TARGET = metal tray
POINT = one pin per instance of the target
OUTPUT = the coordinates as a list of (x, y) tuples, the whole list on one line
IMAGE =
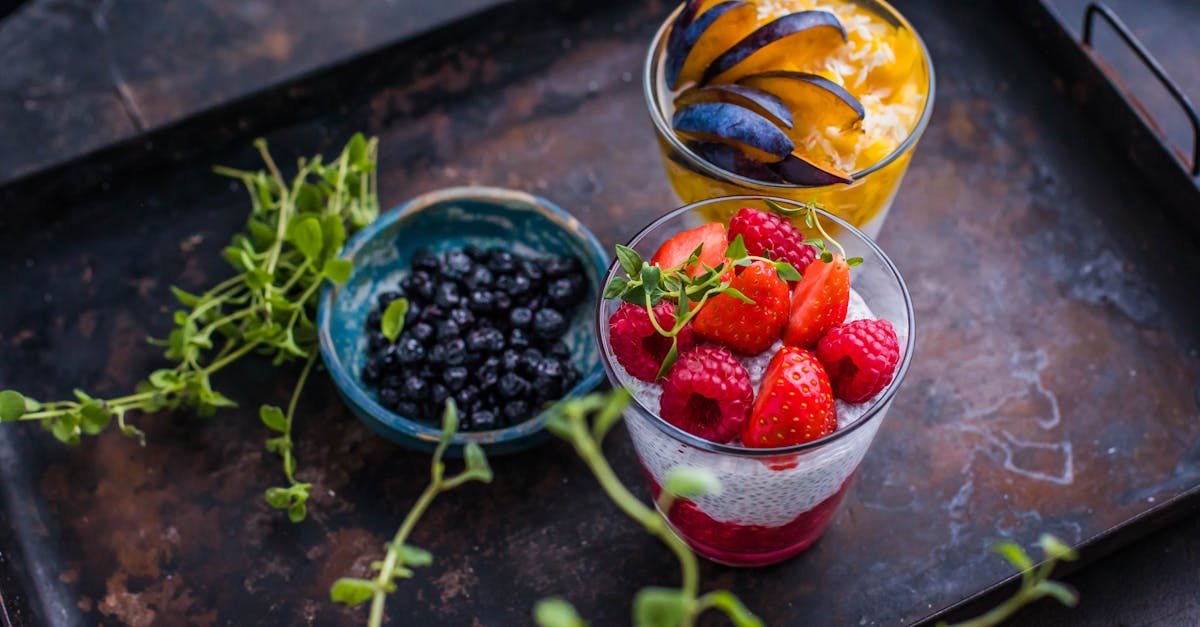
[(1054, 387)]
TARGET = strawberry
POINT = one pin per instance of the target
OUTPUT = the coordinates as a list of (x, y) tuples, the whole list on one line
[(795, 403), (744, 327), (768, 235), (860, 357), (676, 250), (819, 301)]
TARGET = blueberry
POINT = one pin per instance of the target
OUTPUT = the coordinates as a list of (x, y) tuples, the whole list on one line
[(520, 317), (501, 261), (457, 265), (485, 340), (388, 397), (489, 372), (465, 397), (419, 285), (548, 324), (559, 350), (483, 420), (390, 358), (412, 315), (518, 339), (455, 378), (436, 355), (386, 298), (370, 373), (510, 360), (374, 319), (448, 330), (479, 278), (477, 254), (533, 270), (424, 259), (512, 386), (414, 388), (530, 358), (432, 314), (456, 352), (422, 331), (563, 266), (516, 411), (410, 351), (463, 317), (548, 377), (438, 394), (408, 409), (481, 301), (376, 341), (501, 302), (565, 292), (391, 382), (446, 295), (514, 284)]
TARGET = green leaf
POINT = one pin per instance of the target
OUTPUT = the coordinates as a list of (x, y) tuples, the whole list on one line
[(690, 482), (297, 511), (335, 234), (261, 234), (273, 417), (555, 612), (631, 262), (787, 271), (338, 270), (854, 261), (737, 249), (351, 591), (1014, 554), (308, 199), (279, 498), (669, 359), (1063, 593), (356, 151), (164, 379), (414, 556), (305, 235), (1057, 549), (449, 420), (186, 299), (728, 603), (694, 257), (736, 293), (827, 256), (659, 607), (477, 463), (257, 278), (651, 276), (12, 405), (393, 319), (94, 417), (615, 287)]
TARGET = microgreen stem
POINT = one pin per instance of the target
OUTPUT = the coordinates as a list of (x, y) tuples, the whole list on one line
[(391, 561), (289, 469), (231, 357)]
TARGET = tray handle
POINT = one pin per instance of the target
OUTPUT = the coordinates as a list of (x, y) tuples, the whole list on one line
[(1147, 59)]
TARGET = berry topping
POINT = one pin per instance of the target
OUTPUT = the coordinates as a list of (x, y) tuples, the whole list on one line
[(707, 393), (860, 357), (819, 301), (768, 235), (742, 326), (795, 403), (675, 251), (637, 345)]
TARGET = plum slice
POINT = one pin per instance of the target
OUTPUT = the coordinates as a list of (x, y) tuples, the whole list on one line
[(717, 28), (758, 101), (728, 123), (733, 160), (801, 35), (675, 47), (815, 101), (800, 171)]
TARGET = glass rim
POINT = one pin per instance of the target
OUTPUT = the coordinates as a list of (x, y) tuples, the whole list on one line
[(650, 88), (880, 402)]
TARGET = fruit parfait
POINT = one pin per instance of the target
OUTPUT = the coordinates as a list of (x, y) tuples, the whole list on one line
[(804, 99), (764, 351)]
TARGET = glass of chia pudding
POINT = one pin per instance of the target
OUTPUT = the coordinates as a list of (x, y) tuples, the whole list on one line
[(775, 375)]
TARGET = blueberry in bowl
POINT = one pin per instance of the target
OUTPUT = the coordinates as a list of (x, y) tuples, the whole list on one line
[(475, 294)]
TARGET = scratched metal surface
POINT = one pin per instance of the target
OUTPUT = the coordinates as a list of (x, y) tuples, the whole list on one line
[(1054, 387)]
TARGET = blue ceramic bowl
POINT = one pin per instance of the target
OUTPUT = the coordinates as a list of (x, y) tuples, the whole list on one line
[(452, 218)]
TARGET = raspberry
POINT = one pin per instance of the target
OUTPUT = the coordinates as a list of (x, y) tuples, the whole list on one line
[(860, 357), (708, 394), (635, 342), (768, 235)]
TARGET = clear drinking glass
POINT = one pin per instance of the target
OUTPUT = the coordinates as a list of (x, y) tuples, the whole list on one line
[(864, 202), (775, 502)]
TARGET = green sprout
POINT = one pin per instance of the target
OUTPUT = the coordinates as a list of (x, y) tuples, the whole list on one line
[(1035, 581)]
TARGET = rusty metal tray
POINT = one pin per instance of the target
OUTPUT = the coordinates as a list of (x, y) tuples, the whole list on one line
[(1053, 390)]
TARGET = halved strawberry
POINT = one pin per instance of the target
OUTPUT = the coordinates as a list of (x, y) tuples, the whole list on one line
[(744, 327), (794, 405), (676, 250), (819, 301)]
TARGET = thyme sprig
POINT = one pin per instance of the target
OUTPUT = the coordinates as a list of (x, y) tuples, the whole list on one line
[(400, 557), (583, 423), (289, 248)]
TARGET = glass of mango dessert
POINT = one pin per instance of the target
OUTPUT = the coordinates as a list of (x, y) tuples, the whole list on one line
[(814, 100)]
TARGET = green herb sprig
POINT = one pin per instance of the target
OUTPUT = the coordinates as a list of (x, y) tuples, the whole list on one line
[(401, 557), (808, 210), (583, 423), (1035, 581), (289, 248)]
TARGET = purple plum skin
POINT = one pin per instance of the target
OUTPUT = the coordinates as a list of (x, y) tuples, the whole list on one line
[(816, 79), (678, 48), (675, 47), (767, 102), (732, 122), (733, 160), (797, 171), (769, 33)]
